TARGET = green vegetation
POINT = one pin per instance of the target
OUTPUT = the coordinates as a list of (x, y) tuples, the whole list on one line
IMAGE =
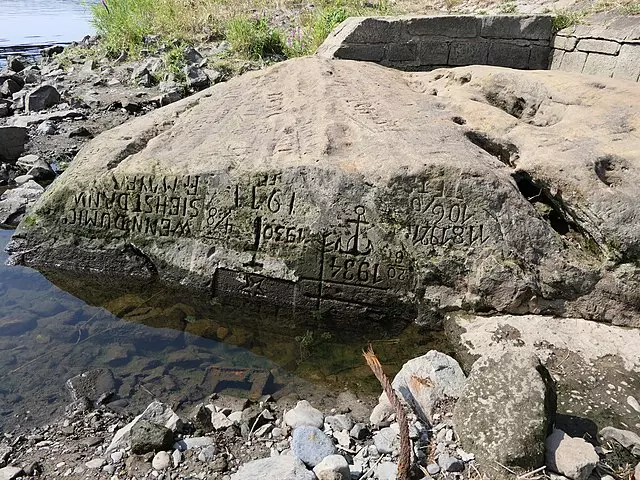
[(134, 26), (567, 18), (254, 39)]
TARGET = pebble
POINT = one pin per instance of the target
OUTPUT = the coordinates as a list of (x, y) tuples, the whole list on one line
[(95, 463), (387, 440), (176, 457), (633, 403), (161, 461), (433, 468), (116, 457)]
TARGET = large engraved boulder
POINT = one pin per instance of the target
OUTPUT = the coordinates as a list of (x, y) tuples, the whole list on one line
[(353, 189)]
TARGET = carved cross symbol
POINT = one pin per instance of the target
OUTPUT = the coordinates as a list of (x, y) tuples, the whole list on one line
[(253, 286)]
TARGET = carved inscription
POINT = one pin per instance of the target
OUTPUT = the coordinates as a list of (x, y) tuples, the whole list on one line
[(443, 218)]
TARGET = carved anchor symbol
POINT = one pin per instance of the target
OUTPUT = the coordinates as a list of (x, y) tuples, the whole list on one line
[(353, 244)]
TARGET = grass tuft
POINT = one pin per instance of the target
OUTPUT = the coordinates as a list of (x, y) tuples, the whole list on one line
[(254, 39)]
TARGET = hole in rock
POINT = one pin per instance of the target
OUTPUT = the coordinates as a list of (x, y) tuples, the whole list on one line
[(506, 152), (546, 206), (459, 120), (608, 169)]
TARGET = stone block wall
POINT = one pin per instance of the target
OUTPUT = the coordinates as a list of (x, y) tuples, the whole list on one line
[(428, 42), (609, 49)]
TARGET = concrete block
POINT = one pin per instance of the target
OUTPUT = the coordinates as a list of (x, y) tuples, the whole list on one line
[(556, 59), (535, 27), (362, 52), (564, 43), (459, 26), (598, 46), (628, 64), (433, 53), (402, 52), (573, 61), (375, 30), (472, 52), (600, 64), (504, 54), (539, 57)]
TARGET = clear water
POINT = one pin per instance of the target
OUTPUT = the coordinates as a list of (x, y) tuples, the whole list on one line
[(163, 346), (25, 25)]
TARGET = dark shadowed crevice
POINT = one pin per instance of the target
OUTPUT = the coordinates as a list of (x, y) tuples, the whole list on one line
[(506, 152), (610, 169), (552, 209)]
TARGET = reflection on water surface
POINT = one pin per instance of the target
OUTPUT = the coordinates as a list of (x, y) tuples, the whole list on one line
[(163, 344)]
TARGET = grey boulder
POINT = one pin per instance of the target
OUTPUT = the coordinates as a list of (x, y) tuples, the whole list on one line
[(283, 467), (424, 381), (15, 203), (506, 411), (572, 457), (12, 142), (311, 445), (332, 467), (150, 437), (41, 98)]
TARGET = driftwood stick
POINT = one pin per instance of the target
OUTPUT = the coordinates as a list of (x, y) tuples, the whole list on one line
[(404, 462)]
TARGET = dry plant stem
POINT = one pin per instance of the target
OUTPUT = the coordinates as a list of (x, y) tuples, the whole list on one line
[(404, 462)]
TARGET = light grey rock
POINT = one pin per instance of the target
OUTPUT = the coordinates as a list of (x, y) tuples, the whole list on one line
[(283, 467), (161, 461), (158, 413), (220, 421), (28, 161), (9, 473), (193, 442), (95, 464), (518, 407), (433, 468), (304, 414), (41, 98), (339, 422), (207, 454), (448, 463), (47, 128), (572, 457), (150, 437), (15, 203), (381, 413), (22, 179), (311, 445), (12, 142), (628, 439), (387, 471), (343, 438), (176, 458), (424, 381), (633, 403), (332, 467), (9, 87), (387, 439), (116, 457)]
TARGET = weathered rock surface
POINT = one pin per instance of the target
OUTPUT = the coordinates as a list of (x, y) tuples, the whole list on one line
[(348, 187), (333, 467), (628, 439), (429, 379), (311, 445), (15, 203), (506, 411), (304, 414), (150, 437), (283, 467), (572, 457)]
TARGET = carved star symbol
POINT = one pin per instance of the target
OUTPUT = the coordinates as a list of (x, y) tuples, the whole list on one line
[(253, 286)]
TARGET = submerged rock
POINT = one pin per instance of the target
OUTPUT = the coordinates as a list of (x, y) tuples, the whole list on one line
[(349, 188)]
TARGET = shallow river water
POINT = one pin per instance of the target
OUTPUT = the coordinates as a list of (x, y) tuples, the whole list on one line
[(26, 25), (165, 347)]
